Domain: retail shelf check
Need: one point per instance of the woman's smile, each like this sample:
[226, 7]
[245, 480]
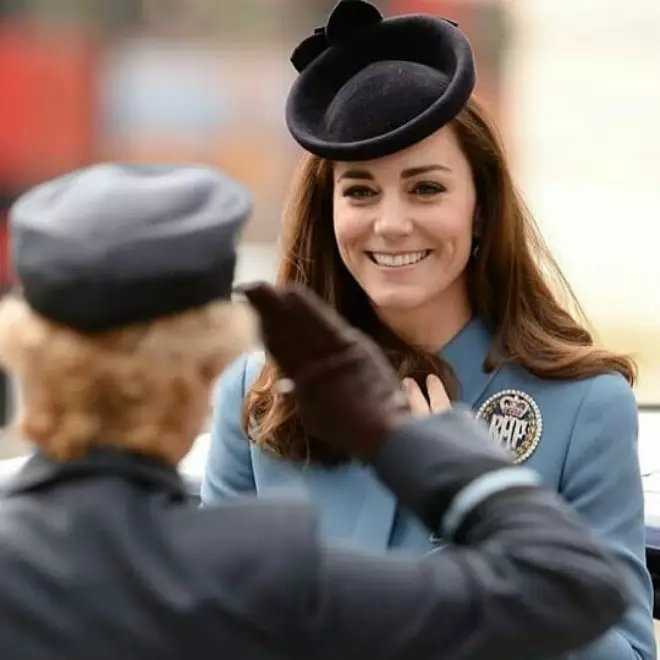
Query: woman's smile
[398, 259]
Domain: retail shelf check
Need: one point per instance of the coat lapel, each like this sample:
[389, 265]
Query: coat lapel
[352, 505]
[466, 353]
[376, 516]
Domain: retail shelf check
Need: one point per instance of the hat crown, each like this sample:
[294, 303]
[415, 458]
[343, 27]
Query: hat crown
[409, 87]
[113, 244]
[105, 200]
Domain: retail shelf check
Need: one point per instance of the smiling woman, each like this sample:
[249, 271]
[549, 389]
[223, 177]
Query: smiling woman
[404, 217]
[451, 195]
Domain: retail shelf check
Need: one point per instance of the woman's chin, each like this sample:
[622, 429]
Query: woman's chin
[395, 301]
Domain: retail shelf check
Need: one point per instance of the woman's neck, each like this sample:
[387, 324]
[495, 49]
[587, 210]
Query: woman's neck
[434, 324]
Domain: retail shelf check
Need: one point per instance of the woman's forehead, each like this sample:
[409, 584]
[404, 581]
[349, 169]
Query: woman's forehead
[441, 149]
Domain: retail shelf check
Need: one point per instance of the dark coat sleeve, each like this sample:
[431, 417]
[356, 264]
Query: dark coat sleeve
[522, 578]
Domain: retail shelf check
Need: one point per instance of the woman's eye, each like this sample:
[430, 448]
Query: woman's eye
[428, 188]
[359, 192]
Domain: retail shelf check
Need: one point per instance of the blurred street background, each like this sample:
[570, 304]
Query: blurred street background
[575, 87]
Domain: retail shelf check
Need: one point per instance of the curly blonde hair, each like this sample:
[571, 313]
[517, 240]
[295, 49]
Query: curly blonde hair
[144, 387]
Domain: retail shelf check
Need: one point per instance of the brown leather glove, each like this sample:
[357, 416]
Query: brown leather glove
[346, 392]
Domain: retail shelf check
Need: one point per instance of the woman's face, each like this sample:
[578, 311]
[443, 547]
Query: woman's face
[404, 223]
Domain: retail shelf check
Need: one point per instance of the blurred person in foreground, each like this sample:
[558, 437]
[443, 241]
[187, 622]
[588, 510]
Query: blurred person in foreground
[124, 322]
[405, 218]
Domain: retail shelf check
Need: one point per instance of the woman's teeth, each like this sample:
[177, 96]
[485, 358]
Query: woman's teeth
[398, 260]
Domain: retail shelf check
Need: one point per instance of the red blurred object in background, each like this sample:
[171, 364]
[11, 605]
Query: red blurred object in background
[456, 10]
[5, 262]
[47, 113]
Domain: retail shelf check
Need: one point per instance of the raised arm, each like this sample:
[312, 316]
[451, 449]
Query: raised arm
[523, 579]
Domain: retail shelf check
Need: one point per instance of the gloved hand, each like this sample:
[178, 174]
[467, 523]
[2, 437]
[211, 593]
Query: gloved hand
[346, 392]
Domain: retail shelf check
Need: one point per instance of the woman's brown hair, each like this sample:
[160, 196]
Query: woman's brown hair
[515, 286]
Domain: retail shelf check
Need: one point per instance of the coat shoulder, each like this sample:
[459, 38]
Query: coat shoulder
[602, 389]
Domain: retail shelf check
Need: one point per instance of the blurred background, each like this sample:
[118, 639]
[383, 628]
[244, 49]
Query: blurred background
[574, 86]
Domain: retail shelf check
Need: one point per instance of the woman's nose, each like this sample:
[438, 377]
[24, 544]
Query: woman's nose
[393, 220]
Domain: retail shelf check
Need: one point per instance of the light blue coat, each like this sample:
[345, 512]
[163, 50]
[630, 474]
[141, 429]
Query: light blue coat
[587, 451]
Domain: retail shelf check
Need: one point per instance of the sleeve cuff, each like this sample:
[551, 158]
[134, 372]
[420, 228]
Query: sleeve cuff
[481, 489]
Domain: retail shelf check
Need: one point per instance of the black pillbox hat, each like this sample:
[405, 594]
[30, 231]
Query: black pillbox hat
[111, 245]
[371, 86]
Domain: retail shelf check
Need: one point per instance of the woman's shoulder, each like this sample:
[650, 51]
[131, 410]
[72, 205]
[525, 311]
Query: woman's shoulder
[605, 400]
[609, 402]
[606, 386]
[237, 377]
[592, 398]
[609, 387]
[254, 362]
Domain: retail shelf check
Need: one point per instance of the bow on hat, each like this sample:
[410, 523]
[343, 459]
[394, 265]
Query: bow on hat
[347, 19]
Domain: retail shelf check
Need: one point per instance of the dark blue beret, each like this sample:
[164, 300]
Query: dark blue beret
[112, 245]
[370, 86]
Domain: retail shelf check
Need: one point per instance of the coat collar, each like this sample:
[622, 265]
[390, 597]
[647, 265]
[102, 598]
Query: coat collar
[40, 471]
[466, 353]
